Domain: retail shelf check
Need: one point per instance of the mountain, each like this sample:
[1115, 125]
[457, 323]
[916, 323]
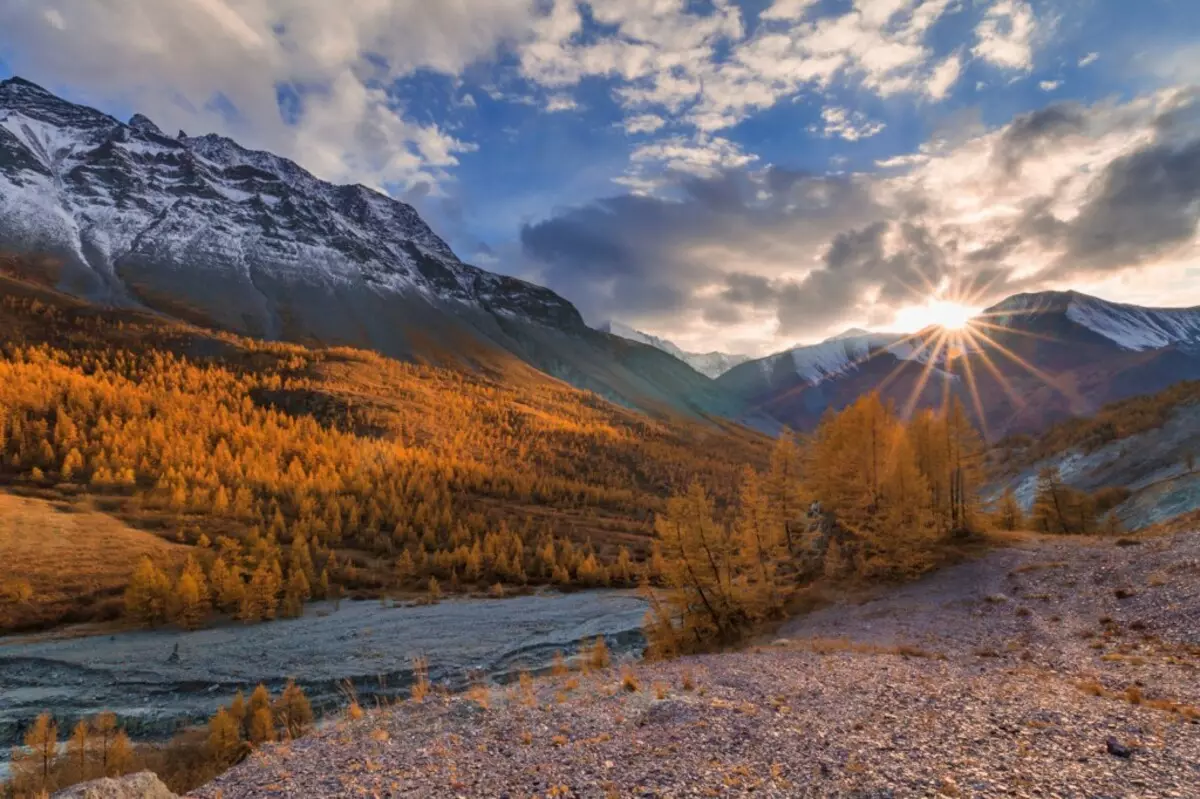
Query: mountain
[205, 230]
[1033, 359]
[711, 364]
[797, 386]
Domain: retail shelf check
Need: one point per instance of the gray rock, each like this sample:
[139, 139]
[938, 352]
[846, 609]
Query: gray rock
[1117, 749]
[143, 785]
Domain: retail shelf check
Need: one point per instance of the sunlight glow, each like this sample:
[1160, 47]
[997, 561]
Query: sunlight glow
[942, 313]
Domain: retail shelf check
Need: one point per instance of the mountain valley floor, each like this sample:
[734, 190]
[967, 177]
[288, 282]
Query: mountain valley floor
[1053, 667]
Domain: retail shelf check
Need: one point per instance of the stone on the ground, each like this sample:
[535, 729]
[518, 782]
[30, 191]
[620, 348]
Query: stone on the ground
[143, 785]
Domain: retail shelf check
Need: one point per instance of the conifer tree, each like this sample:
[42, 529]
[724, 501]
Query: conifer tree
[784, 487]
[147, 596]
[294, 711]
[260, 725]
[237, 710]
[224, 738]
[227, 586]
[105, 727]
[295, 594]
[188, 608]
[41, 747]
[120, 755]
[77, 750]
[698, 554]
[761, 548]
[1009, 515]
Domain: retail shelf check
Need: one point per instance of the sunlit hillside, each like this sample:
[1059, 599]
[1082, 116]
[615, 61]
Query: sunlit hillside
[390, 473]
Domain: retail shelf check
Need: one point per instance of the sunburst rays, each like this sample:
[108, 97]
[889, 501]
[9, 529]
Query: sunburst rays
[966, 351]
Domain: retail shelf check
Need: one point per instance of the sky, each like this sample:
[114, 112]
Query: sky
[735, 175]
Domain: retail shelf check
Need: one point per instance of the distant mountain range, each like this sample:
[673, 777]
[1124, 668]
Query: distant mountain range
[202, 229]
[205, 230]
[1035, 359]
[711, 364]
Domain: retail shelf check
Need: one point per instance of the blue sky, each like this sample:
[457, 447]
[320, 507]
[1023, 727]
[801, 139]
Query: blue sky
[732, 175]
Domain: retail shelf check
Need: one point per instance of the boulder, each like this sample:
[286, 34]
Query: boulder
[143, 785]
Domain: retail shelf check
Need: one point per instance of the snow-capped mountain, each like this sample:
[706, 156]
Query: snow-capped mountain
[711, 364]
[1031, 360]
[1130, 327]
[130, 206]
[206, 230]
[814, 363]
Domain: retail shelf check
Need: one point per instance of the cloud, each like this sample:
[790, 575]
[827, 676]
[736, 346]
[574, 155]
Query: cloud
[1061, 196]
[943, 78]
[172, 60]
[1089, 59]
[561, 102]
[644, 123]
[845, 124]
[699, 63]
[1004, 37]
[1049, 85]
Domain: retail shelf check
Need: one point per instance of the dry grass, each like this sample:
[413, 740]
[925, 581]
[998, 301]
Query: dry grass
[829, 646]
[1133, 695]
[629, 680]
[420, 688]
[75, 562]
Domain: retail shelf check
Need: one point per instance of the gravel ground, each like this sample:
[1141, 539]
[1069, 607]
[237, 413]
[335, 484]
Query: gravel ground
[1059, 668]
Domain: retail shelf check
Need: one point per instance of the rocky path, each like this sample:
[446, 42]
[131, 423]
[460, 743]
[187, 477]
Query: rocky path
[1056, 668]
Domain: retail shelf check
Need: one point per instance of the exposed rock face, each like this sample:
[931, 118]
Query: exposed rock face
[143, 785]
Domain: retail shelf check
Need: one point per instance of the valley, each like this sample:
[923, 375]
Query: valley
[262, 428]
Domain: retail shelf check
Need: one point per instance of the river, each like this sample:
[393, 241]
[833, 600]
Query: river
[157, 681]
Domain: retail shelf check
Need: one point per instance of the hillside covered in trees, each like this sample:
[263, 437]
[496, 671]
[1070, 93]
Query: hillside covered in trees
[298, 472]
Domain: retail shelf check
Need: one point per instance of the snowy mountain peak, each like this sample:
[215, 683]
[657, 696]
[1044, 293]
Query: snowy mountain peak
[1130, 327]
[854, 332]
[142, 124]
[237, 235]
[710, 364]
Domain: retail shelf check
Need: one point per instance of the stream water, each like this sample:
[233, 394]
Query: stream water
[157, 681]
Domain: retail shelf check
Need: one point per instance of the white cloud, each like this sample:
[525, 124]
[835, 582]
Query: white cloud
[170, 60]
[644, 123]
[943, 78]
[1049, 85]
[1089, 59]
[561, 102]
[672, 59]
[702, 156]
[846, 124]
[1004, 37]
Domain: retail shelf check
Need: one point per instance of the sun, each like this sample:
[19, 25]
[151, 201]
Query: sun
[935, 312]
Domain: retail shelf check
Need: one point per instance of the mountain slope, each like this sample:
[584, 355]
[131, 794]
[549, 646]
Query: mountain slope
[205, 230]
[710, 364]
[180, 430]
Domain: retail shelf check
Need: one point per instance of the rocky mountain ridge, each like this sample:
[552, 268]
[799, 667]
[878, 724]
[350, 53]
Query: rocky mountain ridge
[710, 364]
[203, 229]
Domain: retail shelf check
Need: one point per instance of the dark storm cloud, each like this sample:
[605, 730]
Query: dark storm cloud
[1029, 133]
[632, 254]
[1148, 202]
[743, 289]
